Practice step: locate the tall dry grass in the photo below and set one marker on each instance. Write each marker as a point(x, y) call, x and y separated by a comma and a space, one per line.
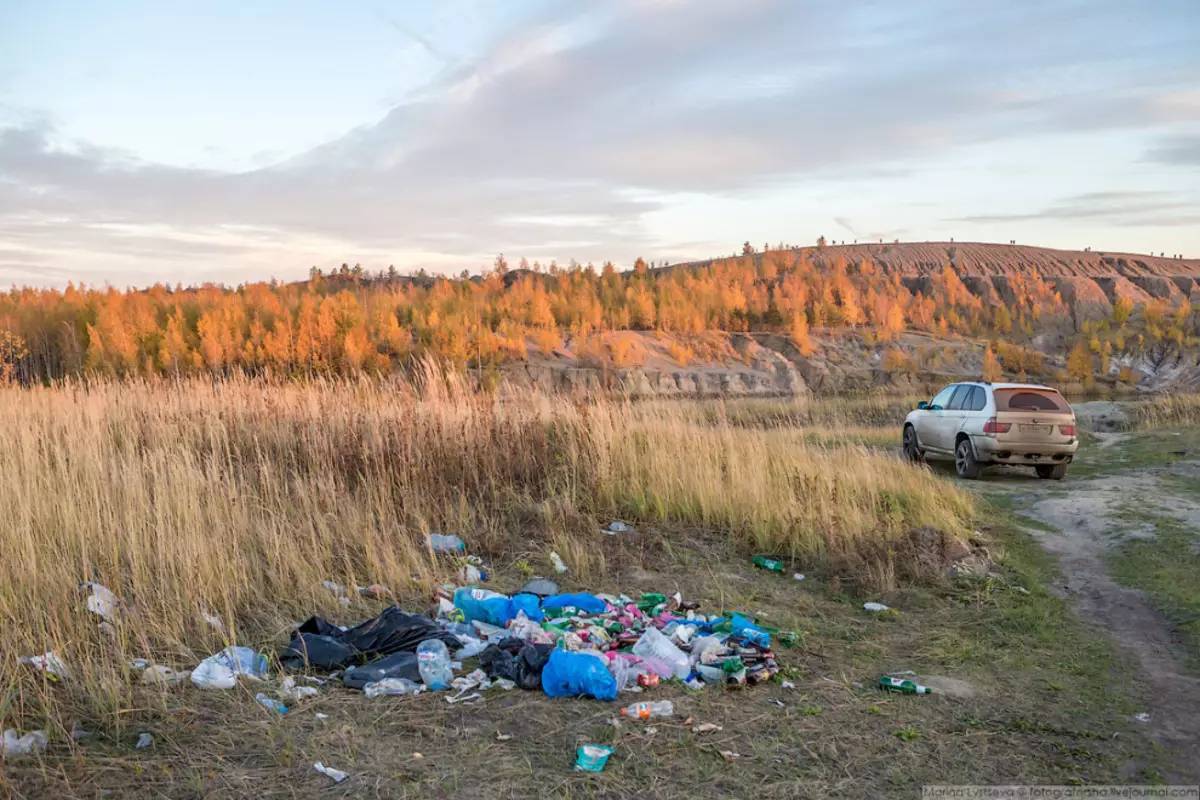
point(1167, 410)
point(239, 499)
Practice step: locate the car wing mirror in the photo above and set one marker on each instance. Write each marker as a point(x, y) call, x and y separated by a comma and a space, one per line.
point(922, 406)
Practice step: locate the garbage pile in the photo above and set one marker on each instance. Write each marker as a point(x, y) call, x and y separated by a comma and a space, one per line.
point(578, 644)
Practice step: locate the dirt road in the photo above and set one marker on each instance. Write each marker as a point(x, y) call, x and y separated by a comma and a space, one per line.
point(1089, 520)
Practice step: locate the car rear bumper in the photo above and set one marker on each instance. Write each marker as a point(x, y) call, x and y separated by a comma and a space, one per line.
point(991, 450)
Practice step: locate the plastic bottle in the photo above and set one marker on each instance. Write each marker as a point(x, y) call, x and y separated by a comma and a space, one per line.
point(269, 704)
point(899, 685)
point(659, 708)
point(433, 662)
point(440, 543)
point(768, 563)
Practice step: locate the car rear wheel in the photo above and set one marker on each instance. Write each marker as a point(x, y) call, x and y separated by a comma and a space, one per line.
point(964, 461)
point(1051, 472)
point(911, 451)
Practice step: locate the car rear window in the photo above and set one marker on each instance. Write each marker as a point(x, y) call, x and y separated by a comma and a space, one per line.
point(1030, 400)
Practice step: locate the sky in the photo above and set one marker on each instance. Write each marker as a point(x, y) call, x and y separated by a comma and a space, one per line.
point(186, 141)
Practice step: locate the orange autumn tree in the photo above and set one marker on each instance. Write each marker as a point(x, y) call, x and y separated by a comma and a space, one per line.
point(351, 321)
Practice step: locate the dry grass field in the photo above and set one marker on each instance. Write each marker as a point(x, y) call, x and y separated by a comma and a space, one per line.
point(238, 499)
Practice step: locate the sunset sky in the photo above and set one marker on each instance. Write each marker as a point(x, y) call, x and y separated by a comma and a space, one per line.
point(187, 141)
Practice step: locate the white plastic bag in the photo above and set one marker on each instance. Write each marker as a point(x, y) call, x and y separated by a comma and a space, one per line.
point(288, 690)
point(102, 602)
point(48, 663)
point(212, 674)
point(31, 744)
point(656, 646)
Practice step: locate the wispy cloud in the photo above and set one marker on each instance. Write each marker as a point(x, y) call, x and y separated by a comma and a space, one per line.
point(1178, 151)
point(1133, 209)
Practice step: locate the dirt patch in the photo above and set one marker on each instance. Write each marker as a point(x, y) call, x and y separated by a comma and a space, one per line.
point(1084, 525)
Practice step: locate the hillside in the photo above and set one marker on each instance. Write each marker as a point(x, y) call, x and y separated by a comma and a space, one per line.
point(829, 319)
point(1089, 281)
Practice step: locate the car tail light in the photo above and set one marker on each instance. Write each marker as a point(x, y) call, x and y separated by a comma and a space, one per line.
point(991, 426)
point(1066, 430)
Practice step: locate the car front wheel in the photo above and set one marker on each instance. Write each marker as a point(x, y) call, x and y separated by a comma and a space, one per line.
point(911, 451)
point(964, 461)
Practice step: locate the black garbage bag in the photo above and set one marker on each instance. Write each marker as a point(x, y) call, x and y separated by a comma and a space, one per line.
point(516, 659)
point(498, 662)
point(397, 665)
point(317, 650)
point(393, 631)
point(530, 661)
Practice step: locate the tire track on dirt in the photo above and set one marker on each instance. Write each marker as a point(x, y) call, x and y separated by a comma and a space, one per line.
point(1083, 523)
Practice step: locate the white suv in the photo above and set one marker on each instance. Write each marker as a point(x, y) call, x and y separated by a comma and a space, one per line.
point(979, 424)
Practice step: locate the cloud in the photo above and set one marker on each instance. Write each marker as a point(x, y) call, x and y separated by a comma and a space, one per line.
point(1177, 151)
point(559, 139)
point(1130, 209)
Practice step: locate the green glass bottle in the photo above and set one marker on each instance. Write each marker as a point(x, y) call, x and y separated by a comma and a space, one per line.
point(768, 563)
point(900, 685)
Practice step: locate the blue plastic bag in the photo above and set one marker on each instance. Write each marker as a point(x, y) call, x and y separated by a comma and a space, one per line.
point(569, 674)
point(528, 604)
point(743, 628)
point(588, 603)
point(485, 605)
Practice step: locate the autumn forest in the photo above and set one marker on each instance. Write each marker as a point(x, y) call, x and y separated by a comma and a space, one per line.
point(351, 321)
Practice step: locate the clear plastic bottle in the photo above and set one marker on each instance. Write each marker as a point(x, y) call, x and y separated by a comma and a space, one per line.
point(659, 708)
point(269, 704)
point(433, 661)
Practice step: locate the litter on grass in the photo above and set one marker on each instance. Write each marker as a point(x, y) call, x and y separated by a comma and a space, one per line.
point(101, 601)
point(562, 644)
point(164, 676)
point(145, 742)
point(592, 757)
point(48, 663)
point(337, 775)
point(31, 744)
point(876, 607)
point(566, 645)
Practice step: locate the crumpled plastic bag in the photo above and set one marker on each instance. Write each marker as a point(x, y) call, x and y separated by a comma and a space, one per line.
point(588, 603)
point(397, 665)
point(516, 660)
point(102, 601)
point(288, 690)
point(320, 644)
point(48, 663)
point(654, 645)
point(211, 674)
point(31, 744)
point(221, 671)
point(484, 605)
point(573, 674)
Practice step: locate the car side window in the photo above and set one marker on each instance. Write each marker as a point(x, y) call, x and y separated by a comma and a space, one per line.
point(958, 402)
point(977, 400)
point(942, 399)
